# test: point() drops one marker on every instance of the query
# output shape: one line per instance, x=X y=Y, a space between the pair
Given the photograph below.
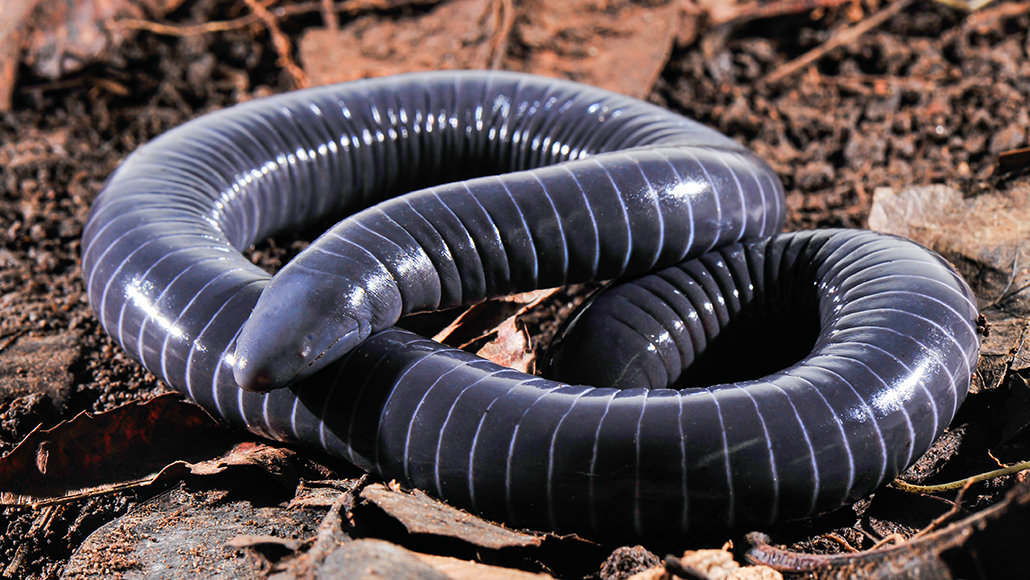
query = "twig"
x=329 y=16
x=715 y=42
x=188 y=29
x=6 y=341
x=751 y=12
x=921 y=549
x=1005 y=295
x=282 y=44
x=504 y=15
x=843 y=543
x=844 y=37
x=348 y=6
x=956 y=509
x=895 y=538
x=914 y=488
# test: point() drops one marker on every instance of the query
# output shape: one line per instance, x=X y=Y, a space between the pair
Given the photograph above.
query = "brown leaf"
x=618 y=45
x=511 y=347
x=62 y=36
x=985 y=237
x=455 y=35
x=91 y=454
x=483 y=319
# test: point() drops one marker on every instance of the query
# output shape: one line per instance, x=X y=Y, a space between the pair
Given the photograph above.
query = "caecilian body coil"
x=559 y=183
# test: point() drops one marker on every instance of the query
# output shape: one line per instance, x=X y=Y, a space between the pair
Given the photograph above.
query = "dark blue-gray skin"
x=564 y=183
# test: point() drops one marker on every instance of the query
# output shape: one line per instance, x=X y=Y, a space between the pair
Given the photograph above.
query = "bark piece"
x=465 y=570
x=371 y=559
x=421 y=514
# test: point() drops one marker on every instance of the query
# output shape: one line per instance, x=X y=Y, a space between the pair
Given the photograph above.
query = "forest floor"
x=850 y=101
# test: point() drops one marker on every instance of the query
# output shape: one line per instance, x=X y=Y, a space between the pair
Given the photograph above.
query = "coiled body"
x=580 y=184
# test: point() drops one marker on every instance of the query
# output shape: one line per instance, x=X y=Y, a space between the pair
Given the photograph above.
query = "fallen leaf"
x=454 y=35
x=985 y=237
x=58 y=37
x=511 y=347
x=618 y=45
x=483 y=319
x=129 y=445
x=66 y=35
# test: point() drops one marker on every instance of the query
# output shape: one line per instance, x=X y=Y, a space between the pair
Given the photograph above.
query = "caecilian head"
x=297 y=327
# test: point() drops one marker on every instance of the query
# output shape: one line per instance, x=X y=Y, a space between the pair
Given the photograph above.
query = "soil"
x=932 y=95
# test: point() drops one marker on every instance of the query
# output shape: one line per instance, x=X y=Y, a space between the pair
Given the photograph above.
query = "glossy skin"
x=636 y=188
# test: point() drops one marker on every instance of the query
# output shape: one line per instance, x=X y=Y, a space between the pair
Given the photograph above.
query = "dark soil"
x=931 y=96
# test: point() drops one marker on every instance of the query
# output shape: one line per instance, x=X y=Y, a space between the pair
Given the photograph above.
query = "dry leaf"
x=131 y=445
x=455 y=35
x=511 y=347
x=618 y=45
